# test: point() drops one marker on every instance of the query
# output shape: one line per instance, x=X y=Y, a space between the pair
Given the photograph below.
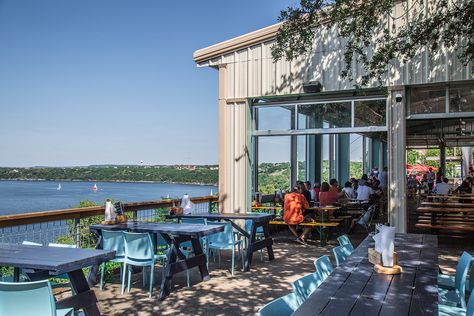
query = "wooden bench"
x=444 y=210
x=451 y=227
x=447 y=204
x=312 y=224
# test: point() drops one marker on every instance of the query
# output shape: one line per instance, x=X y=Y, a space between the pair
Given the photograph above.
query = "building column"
x=224 y=201
x=343 y=158
x=397 y=206
x=442 y=157
x=466 y=160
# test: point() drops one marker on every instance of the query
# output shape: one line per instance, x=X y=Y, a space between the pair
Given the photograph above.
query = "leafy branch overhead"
x=376 y=34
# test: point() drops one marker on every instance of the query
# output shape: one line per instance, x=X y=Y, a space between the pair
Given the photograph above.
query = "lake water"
x=33 y=196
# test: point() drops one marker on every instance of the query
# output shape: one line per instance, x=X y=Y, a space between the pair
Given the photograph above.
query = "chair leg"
x=233 y=259
x=124 y=277
x=219 y=254
x=102 y=276
x=152 y=278
x=129 y=278
x=144 y=276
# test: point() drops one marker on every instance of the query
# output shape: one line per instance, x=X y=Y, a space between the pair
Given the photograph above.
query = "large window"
x=461 y=98
x=370 y=113
x=273 y=166
x=274 y=117
x=337 y=114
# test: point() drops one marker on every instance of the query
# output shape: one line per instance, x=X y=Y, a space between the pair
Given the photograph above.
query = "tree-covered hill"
x=206 y=174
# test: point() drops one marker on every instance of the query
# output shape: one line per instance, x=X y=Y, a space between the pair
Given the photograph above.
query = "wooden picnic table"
x=174 y=234
x=42 y=262
x=451 y=197
x=258 y=220
x=354 y=288
x=447 y=204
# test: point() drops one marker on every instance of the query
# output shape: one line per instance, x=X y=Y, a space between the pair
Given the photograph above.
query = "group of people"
x=436 y=183
x=298 y=202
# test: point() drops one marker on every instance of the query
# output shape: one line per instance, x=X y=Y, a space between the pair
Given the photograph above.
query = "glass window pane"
x=274 y=117
x=428 y=100
x=337 y=114
x=301 y=157
x=325 y=159
x=370 y=113
x=355 y=167
x=461 y=98
x=273 y=164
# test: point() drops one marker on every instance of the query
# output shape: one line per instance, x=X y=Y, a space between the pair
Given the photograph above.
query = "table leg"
x=198 y=252
x=168 y=275
x=16 y=274
x=321 y=231
x=84 y=298
x=249 y=255
x=266 y=233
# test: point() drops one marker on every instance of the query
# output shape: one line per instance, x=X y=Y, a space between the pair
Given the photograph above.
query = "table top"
x=192 y=230
x=56 y=260
x=451 y=197
x=447 y=204
x=251 y=216
x=434 y=209
x=354 y=288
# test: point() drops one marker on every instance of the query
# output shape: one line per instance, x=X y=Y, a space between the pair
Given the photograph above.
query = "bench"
x=451 y=227
x=312 y=224
x=444 y=210
x=446 y=204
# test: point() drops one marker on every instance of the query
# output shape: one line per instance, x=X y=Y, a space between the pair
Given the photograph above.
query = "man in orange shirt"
x=294 y=204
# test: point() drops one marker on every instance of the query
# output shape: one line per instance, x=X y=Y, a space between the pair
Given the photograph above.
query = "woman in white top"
x=348 y=190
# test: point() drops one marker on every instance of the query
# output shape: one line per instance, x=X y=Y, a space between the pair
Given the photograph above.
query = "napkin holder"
x=376 y=259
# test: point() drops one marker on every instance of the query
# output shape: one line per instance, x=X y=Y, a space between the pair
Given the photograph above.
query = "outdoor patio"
x=243 y=293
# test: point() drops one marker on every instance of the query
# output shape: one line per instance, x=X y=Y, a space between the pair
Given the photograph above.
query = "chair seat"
x=446 y=281
x=118 y=259
x=65 y=312
x=140 y=263
x=445 y=310
x=451 y=298
x=222 y=245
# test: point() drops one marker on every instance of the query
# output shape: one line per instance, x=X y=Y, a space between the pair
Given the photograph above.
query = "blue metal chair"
x=344 y=240
x=446 y=310
x=341 y=253
x=304 y=286
x=455 y=296
x=113 y=240
x=283 y=306
x=226 y=241
x=188 y=245
x=259 y=233
x=29 y=298
x=323 y=267
x=138 y=252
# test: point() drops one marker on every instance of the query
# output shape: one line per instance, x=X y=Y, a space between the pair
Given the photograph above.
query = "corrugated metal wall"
x=251 y=72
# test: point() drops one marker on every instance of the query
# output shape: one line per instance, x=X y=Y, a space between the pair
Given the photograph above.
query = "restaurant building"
x=265 y=116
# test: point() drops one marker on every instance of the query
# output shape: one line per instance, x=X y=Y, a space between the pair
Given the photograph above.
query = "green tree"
x=441 y=23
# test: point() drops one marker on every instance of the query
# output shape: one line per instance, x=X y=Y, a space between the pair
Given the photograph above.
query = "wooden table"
x=354 y=288
x=451 y=197
x=258 y=220
x=41 y=262
x=175 y=235
x=448 y=204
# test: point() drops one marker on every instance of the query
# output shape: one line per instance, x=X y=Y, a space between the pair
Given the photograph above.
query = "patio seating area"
x=245 y=292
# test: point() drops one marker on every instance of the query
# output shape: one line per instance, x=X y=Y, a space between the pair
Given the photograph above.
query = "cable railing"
x=71 y=226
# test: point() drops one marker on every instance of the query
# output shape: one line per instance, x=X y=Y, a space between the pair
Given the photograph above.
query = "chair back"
x=27 y=298
x=201 y=221
x=470 y=306
x=138 y=246
x=471 y=279
x=461 y=272
x=304 y=286
x=344 y=240
x=341 y=253
x=114 y=240
x=224 y=237
x=323 y=267
x=31 y=243
x=52 y=244
x=283 y=306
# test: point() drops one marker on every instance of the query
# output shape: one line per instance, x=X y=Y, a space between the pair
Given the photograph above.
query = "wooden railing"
x=78 y=213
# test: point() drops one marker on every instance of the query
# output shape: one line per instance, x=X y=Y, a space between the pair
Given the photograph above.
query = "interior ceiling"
x=434 y=132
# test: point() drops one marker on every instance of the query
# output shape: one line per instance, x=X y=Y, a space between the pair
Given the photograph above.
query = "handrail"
x=74 y=213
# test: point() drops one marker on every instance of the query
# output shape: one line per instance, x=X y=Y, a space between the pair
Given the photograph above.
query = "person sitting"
x=364 y=191
x=326 y=196
x=294 y=205
x=334 y=188
x=348 y=190
x=443 y=188
x=303 y=191
x=308 y=188
x=317 y=189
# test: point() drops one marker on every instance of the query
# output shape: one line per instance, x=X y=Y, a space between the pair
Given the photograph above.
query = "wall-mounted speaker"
x=312 y=87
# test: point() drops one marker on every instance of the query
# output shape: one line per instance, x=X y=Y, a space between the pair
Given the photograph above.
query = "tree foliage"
x=447 y=23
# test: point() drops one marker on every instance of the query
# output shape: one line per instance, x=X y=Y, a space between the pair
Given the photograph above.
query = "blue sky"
x=94 y=82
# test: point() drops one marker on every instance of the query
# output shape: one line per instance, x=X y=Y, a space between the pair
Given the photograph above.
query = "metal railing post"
x=77 y=226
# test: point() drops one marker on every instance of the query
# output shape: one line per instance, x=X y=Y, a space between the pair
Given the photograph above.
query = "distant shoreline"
x=111 y=181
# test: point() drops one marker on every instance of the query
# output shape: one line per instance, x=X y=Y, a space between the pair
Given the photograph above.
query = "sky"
x=113 y=81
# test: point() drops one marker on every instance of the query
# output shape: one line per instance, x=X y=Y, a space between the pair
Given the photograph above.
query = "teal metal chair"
x=446 y=281
x=258 y=236
x=186 y=247
x=455 y=296
x=283 y=306
x=29 y=298
x=341 y=253
x=344 y=240
x=113 y=240
x=323 y=267
x=446 y=310
x=226 y=240
x=304 y=286
x=138 y=252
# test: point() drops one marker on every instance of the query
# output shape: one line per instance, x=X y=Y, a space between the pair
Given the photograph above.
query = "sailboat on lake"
x=94 y=187
x=59 y=187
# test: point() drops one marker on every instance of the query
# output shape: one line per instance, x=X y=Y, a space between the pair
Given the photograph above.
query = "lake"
x=34 y=196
